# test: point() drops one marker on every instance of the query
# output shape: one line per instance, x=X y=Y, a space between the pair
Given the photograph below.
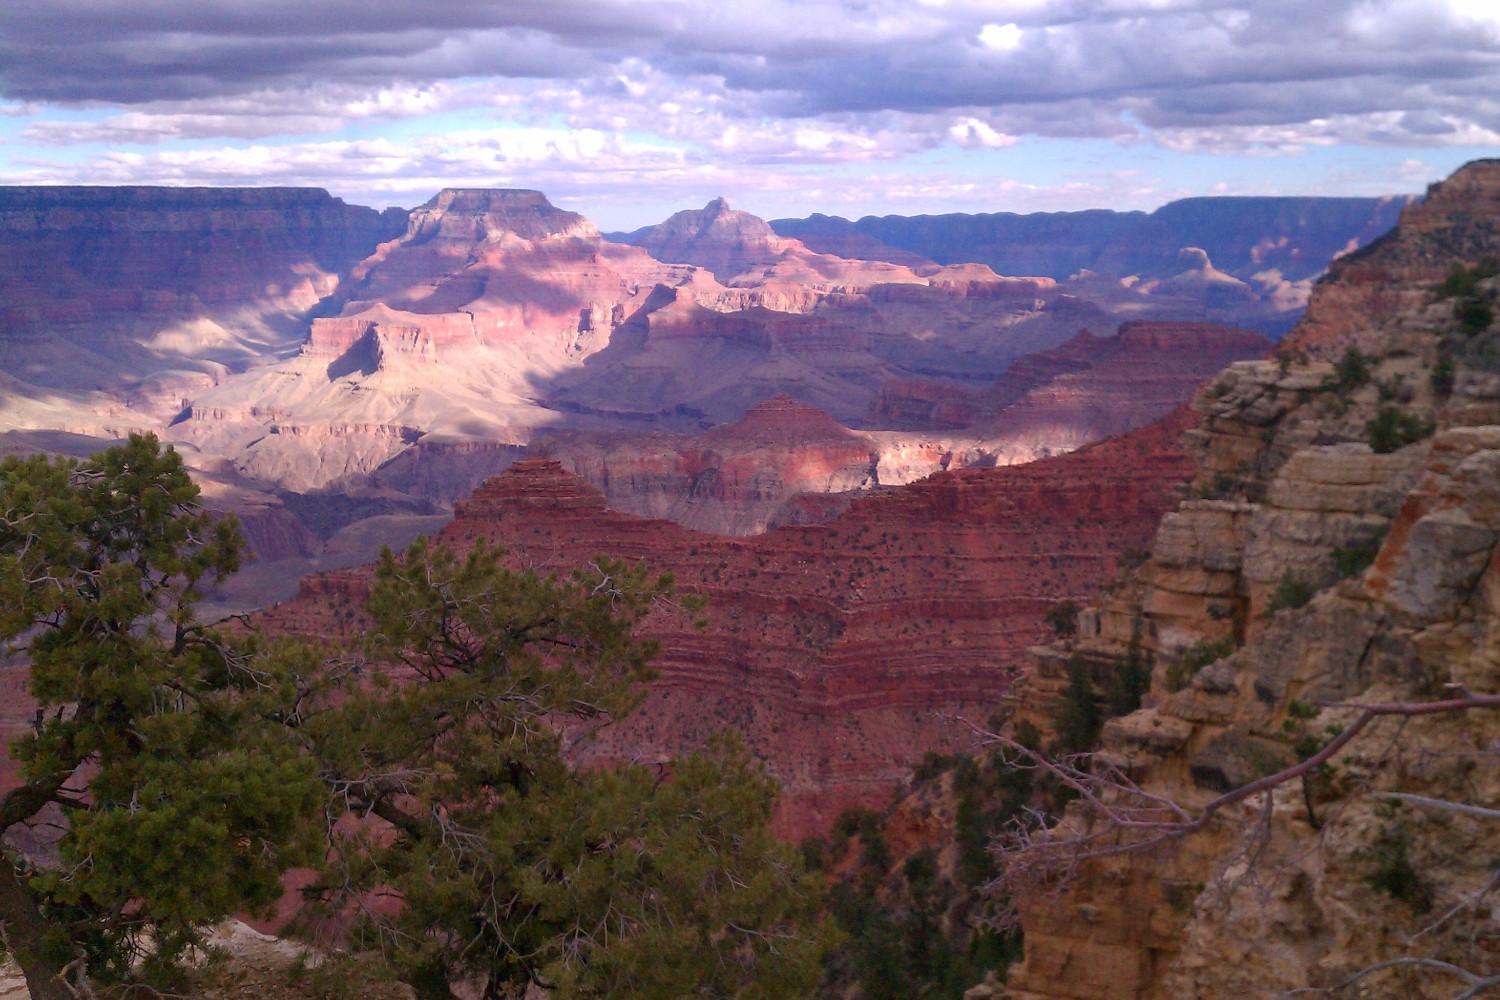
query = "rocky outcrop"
x=1336 y=552
x=841 y=650
x=740 y=478
x=1104 y=385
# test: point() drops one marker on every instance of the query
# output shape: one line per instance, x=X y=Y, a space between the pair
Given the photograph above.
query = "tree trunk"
x=25 y=932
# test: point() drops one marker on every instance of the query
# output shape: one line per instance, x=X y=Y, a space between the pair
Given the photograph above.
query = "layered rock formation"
x=735 y=479
x=289 y=344
x=451 y=332
x=1337 y=553
x=139 y=298
x=742 y=477
x=1247 y=262
x=842 y=650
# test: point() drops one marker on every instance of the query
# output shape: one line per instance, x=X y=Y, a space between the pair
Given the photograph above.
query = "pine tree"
x=511 y=867
x=157 y=795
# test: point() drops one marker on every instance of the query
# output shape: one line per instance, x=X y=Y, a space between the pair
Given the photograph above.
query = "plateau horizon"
x=636 y=108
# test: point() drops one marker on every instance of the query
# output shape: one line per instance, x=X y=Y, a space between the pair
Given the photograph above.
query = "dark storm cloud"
x=1062 y=68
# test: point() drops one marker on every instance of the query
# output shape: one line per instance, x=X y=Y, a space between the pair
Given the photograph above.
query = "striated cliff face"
x=1339 y=550
x=142 y=297
x=841 y=650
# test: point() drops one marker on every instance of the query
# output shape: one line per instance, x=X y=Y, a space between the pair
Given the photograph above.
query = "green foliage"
x=1392 y=871
x=184 y=800
x=1474 y=314
x=1063 y=618
x=513 y=867
x=1128 y=685
x=1442 y=377
x=1392 y=428
x=1354 y=558
x=1351 y=371
x=1079 y=717
x=189 y=766
x=908 y=926
x=1462 y=281
x=1197 y=656
x=1473 y=307
x=1291 y=592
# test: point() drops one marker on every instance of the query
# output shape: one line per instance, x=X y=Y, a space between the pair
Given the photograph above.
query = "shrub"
x=1079 y=719
x=1464 y=281
x=1291 y=592
x=1392 y=428
x=1394 y=873
x=1128 y=685
x=1354 y=558
x=1474 y=314
x=1442 y=376
x=1195 y=658
x=1351 y=371
x=1063 y=617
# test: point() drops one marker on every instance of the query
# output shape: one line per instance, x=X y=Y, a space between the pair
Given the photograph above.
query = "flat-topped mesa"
x=473 y=215
x=98 y=256
x=533 y=485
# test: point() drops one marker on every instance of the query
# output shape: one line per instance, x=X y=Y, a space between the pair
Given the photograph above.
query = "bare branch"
x=1443 y=804
x=1477 y=983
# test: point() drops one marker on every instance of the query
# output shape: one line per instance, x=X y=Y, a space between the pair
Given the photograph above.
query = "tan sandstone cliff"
x=1267 y=563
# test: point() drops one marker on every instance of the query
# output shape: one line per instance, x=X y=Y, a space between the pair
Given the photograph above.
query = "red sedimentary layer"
x=845 y=650
x=1093 y=386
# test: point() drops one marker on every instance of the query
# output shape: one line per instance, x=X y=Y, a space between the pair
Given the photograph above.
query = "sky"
x=629 y=110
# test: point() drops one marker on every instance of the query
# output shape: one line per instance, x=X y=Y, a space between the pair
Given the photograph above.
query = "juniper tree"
x=156 y=795
x=502 y=866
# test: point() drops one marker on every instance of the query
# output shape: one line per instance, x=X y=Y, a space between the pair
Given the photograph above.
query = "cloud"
x=702 y=85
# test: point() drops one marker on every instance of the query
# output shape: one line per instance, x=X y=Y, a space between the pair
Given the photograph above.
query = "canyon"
x=336 y=375
x=881 y=470
x=842 y=650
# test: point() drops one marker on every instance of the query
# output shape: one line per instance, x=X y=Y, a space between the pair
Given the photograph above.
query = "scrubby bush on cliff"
x=185 y=767
x=1393 y=428
x=1197 y=656
x=1063 y=618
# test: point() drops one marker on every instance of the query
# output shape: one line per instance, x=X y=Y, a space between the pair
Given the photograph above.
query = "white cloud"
x=1001 y=37
x=971 y=132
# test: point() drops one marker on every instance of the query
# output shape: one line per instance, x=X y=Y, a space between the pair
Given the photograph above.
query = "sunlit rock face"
x=1331 y=564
